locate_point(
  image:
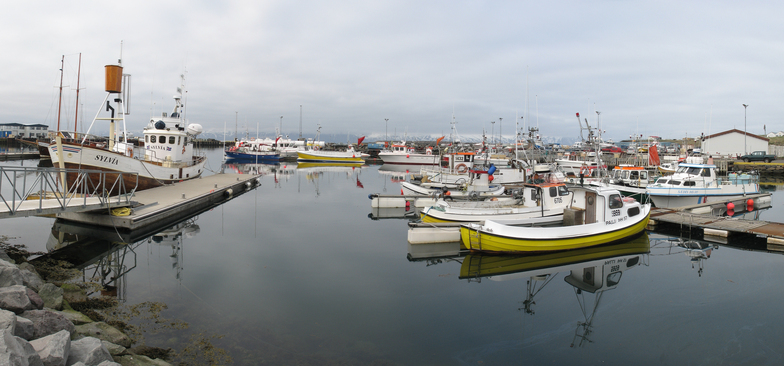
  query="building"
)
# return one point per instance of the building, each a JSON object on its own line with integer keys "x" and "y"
{"x": 25, "y": 131}
{"x": 775, "y": 134}
{"x": 733, "y": 143}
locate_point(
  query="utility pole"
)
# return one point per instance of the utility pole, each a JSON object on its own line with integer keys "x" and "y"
{"x": 745, "y": 150}
{"x": 235, "y": 126}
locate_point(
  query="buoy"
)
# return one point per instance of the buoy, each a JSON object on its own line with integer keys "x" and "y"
{"x": 408, "y": 205}
{"x": 750, "y": 205}
{"x": 491, "y": 171}
{"x": 730, "y": 206}
{"x": 730, "y": 212}
{"x": 401, "y": 192}
{"x": 407, "y": 156}
{"x": 490, "y": 178}
{"x": 448, "y": 193}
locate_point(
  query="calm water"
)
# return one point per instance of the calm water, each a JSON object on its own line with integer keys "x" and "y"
{"x": 295, "y": 272}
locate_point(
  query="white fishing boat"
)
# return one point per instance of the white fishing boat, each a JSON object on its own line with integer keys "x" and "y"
{"x": 531, "y": 201}
{"x": 167, "y": 155}
{"x": 693, "y": 184}
{"x": 402, "y": 154}
{"x": 596, "y": 215}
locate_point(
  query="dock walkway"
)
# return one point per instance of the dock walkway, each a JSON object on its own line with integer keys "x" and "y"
{"x": 172, "y": 202}
{"x": 718, "y": 225}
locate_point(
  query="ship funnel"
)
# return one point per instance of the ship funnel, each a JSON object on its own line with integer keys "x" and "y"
{"x": 114, "y": 77}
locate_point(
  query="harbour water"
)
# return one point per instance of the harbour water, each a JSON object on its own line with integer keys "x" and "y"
{"x": 295, "y": 272}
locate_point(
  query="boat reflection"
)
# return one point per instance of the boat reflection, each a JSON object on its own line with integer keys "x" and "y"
{"x": 278, "y": 171}
{"x": 398, "y": 172}
{"x": 590, "y": 272}
{"x": 106, "y": 256}
{"x": 698, "y": 251}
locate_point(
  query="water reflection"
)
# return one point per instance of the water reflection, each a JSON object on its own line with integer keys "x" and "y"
{"x": 698, "y": 251}
{"x": 589, "y": 272}
{"x": 106, "y": 256}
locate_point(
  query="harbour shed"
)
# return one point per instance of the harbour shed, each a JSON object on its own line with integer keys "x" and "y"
{"x": 733, "y": 142}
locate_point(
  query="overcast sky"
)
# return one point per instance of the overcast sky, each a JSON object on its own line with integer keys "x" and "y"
{"x": 670, "y": 69}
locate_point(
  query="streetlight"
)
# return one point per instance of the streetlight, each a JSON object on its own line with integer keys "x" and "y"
{"x": 744, "y": 129}
{"x": 492, "y": 131}
{"x": 386, "y": 129}
{"x": 235, "y": 125}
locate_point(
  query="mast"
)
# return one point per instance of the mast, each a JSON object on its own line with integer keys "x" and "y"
{"x": 78, "y": 77}
{"x": 60, "y": 99}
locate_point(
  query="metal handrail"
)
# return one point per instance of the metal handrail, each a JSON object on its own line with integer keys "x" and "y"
{"x": 47, "y": 185}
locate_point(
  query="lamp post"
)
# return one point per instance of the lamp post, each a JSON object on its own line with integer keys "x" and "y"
{"x": 386, "y": 129}
{"x": 744, "y": 129}
{"x": 492, "y": 132}
{"x": 235, "y": 125}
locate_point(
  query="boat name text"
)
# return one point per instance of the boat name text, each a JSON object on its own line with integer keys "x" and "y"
{"x": 614, "y": 221}
{"x": 106, "y": 159}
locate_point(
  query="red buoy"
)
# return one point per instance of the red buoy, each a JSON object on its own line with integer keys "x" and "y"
{"x": 750, "y": 205}
{"x": 730, "y": 206}
{"x": 401, "y": 192}
{"x": 490, "y": 178}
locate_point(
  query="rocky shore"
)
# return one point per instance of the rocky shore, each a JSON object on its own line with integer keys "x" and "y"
{"x": 38, "y": 327}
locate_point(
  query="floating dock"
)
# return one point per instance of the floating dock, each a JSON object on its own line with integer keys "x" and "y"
{"x": 686, "y": 218}
{"x": 170, "y": 203}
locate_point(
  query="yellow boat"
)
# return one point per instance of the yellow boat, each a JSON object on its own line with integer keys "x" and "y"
{"x": 348, "y": 156}
{"x": 597, "y": 215}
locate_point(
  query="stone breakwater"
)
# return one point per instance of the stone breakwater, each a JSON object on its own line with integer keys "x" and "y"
{"x": 38, "y": 328}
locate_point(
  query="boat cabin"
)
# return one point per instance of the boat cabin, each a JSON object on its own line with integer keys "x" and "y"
{"x": 166, "y": 139}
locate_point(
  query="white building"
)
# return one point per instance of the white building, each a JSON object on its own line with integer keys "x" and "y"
{"x": 733, "y": 143}
{"x": 775, "y": 134}
{"x": 25, "y": 131}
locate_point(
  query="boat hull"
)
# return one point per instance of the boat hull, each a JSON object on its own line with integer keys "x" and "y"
{"x": 408, "y": 159}
{"x": 545, "y": 239}
{"x": 680, "y": 197}
{"x": 330, "y": 156}
{"x": 252, "y": 156}
{"x": 150, "y": 174}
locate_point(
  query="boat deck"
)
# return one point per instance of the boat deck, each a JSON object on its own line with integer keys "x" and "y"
{"x": 171, "y": 202}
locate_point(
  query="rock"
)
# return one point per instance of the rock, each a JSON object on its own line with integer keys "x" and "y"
{"x": 73, "y": 293}
{"x": 54, "y": 349}
{"x": 17, "y": 351}
{"x": 14, "y": 298}
{"x": 38, "y": 303}
{"x": 7, "y": 320}
{"x": 46, "y": 322}
{"x": 5, "y": 258}
{"x": 89, "y": 350}
{"x": 114, "y": 349}
{"x": 138, "y": 360}
{"x": 104, "y": 332}
{"x": 75, "y": 317}
{"x": 52, "y": 296}
{"x": 31, "y": 279}
{"x": 10, "y": 275}
{"x": 109, "y": 363}
{"x": 24, "y": 328}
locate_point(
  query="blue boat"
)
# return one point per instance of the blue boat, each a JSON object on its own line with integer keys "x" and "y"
{"x": 253, "y": 150}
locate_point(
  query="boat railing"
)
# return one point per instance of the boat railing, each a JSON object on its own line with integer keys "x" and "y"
{"x": 19, "y": 186}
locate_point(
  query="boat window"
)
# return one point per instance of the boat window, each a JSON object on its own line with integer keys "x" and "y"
{"x": 162, "y": 139}
{"x": 693, "y": 171}
{"x": 146, "y": 138}
{"x": 614, "y": 278}
{"x": 178, "y": 139}
{"x": 705, "y": 173}
{"x": 553, "y": 191}
{"x": 675, "y": 182}
{"x": 633, "y": 261}
{"x": 615, "y": 201}
{"x": 153, "y": 139}
{"x": 634, "y": 211}
{"x": 563, "y": 191}
{"x": 634, "y": 175}
{"x": 662, "y": 181}
{"x": 184, "y": 141}
{"x": 688, "y": 183}
{"x": 171, "y": 140}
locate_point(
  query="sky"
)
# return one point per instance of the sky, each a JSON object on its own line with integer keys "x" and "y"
{"x": 666, "y": 68}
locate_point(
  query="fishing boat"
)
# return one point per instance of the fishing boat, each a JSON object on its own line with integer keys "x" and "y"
{"x": 402, "y": 154}
{"x": 532, "y": 200}
{"x": 318, "y": 155}
{"x": 694, "y": 183}
{"x": 596, "y": 215}
{"x": 476, "y": 185}
{"x": 167, "y": 155}
{"x": 253, "y": 150}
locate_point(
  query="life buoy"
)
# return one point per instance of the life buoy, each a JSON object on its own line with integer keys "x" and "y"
{"x": 461, "y": 168}
{"x": 584, "y": 171}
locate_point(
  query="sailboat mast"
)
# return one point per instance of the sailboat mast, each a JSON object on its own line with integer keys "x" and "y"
{"x": 78, "y": 77}
{"x": 60, "y": 99}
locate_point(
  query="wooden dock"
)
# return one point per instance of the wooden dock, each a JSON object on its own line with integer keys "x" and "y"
{"x": 717, "y": 226}
{"x": 170, "y": 203}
